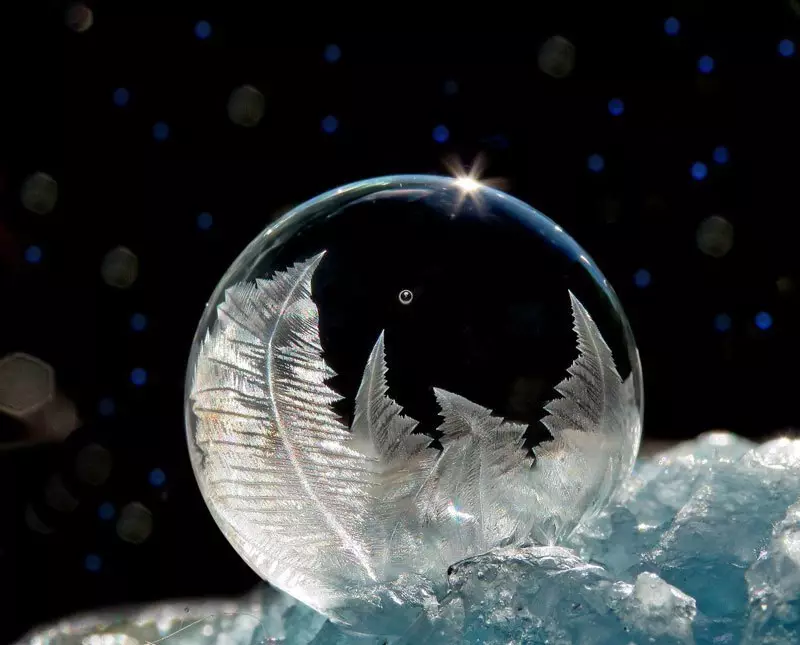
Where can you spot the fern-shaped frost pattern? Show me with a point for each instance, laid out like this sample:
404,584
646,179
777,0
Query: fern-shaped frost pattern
278,470
402,465
379,426
577,469
470,501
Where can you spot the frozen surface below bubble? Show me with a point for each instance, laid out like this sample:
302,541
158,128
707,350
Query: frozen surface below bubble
702,546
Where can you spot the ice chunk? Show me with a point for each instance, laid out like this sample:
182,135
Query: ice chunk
550,595
774,586
656,611
702,548
649,502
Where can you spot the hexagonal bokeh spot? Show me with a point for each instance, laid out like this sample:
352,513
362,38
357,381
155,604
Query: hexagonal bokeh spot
26,384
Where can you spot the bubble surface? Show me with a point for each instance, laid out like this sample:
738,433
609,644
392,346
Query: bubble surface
352,445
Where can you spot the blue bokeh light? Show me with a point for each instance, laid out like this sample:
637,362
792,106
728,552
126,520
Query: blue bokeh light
121,97
705,64
157,478
106,511
160,131
138,322
616,107
138,376
786,48
699,170
641,278
672,26
106,407
330,124
596,163
332,53
763,320
202,29
722,322
93,563
204,221
721,154
441,134
33,254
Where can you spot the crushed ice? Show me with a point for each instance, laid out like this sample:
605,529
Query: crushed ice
702,546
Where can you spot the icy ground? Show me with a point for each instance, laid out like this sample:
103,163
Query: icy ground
701,546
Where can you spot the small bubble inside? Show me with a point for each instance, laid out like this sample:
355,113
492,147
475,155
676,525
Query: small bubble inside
405,297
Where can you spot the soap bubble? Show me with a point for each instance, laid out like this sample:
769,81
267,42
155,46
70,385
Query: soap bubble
353,407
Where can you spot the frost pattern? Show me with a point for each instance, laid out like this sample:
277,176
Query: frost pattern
589,425
278,468
323,511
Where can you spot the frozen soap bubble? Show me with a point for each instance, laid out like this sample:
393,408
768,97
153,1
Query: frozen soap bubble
402,373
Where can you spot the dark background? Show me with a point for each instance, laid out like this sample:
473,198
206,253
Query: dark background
389,89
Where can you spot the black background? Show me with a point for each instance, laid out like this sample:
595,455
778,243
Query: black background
117,186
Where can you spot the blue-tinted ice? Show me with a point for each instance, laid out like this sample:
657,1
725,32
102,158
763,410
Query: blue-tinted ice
701,546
